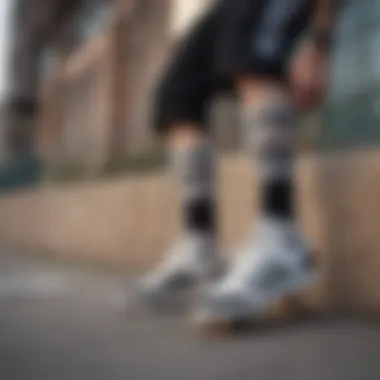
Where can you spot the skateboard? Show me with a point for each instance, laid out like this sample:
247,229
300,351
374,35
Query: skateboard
287,310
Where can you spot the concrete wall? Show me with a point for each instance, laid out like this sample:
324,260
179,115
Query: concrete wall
131,221
349,188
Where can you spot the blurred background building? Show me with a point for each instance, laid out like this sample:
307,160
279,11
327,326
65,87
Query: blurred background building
353,107
81,74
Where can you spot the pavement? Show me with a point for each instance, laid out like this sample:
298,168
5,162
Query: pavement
61,323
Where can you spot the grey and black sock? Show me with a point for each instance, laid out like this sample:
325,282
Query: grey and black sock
271,132
194,167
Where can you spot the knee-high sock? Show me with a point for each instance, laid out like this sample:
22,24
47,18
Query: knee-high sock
194,168
270,135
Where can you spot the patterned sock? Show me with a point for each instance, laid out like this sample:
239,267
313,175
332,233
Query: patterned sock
194,167
271,139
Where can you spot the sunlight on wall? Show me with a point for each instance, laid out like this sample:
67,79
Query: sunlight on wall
185,12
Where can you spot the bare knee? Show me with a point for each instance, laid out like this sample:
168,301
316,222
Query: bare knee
269,122
258,90
184,135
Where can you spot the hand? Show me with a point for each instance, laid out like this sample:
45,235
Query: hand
308,75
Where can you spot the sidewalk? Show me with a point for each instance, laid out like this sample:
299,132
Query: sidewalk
63,324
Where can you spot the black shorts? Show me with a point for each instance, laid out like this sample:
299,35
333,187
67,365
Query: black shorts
234,37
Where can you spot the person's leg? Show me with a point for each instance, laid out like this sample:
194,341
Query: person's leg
275,262
192,162
270,123
194,258
181,108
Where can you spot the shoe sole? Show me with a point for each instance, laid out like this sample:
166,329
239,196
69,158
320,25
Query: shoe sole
280,309
287,309
176,302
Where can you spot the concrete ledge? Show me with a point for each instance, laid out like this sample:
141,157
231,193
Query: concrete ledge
132,221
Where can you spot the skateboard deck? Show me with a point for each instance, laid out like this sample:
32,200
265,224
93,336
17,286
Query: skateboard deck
289,309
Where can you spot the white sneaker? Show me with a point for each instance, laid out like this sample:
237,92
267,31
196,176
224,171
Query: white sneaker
195,260
275,264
